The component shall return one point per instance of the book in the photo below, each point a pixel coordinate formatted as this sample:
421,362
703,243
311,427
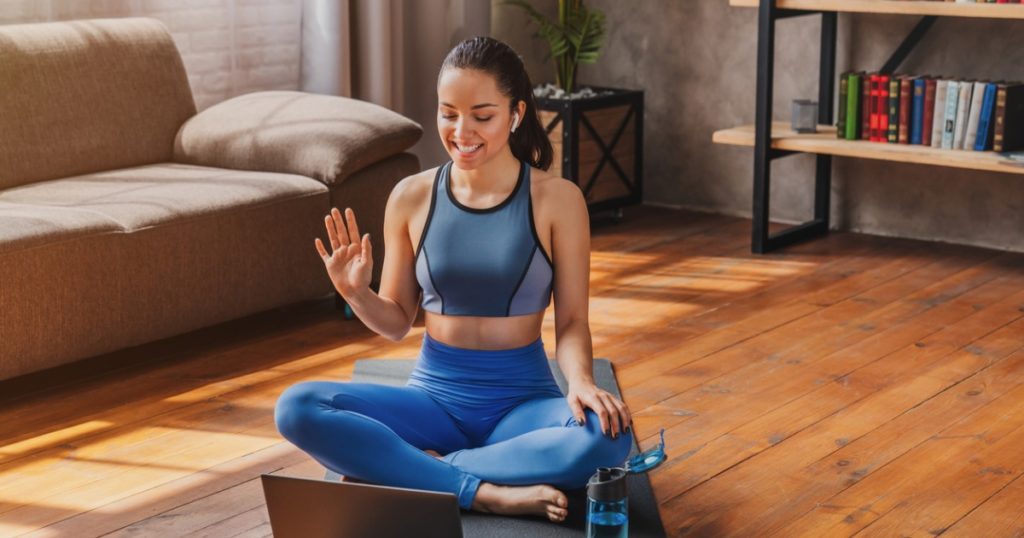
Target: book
917,114
949,114
977,95
1009,118
872,133
882,108
906,94
852,103
841,113
929,111
893,110
983,140
939,114
963,108
865,106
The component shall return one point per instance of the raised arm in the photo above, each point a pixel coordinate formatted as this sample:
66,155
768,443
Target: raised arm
391,312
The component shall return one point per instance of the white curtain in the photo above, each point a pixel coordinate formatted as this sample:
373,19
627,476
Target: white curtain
388,52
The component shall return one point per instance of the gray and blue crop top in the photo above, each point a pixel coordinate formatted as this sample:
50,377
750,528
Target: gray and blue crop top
482,262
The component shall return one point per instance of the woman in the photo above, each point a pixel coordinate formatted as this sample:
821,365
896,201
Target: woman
480,237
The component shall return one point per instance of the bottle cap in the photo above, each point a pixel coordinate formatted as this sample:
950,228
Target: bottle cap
608,484
645,461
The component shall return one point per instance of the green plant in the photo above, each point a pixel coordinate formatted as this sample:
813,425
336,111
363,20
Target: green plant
575,38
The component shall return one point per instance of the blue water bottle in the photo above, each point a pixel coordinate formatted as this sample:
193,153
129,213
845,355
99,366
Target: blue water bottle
607,495
607,504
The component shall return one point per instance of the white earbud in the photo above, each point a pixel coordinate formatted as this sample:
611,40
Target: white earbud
515,121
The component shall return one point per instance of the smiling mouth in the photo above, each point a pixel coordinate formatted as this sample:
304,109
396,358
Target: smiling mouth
467,149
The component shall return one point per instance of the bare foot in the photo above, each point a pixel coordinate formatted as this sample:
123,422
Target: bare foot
541,500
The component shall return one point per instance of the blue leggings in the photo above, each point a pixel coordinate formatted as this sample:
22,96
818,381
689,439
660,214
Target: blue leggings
495,415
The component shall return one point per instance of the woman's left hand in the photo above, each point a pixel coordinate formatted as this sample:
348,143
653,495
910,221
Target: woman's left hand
613,413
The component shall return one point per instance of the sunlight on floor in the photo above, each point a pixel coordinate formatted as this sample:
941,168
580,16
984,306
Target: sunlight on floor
215,388
642,266
81,484
642,313
739,267
63,435
676,283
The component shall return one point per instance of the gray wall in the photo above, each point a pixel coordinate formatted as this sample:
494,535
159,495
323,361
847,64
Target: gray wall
696,61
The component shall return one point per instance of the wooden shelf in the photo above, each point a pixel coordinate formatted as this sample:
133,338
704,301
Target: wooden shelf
899,7
825,142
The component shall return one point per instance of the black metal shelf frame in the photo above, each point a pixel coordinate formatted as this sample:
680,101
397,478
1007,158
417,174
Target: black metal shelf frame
764,154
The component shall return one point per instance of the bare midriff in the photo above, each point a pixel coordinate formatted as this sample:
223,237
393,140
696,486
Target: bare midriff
481,332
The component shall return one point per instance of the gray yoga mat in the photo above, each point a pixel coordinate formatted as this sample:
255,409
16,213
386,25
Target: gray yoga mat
644,520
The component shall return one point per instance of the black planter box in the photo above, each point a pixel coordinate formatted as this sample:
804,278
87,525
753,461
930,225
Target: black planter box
598,143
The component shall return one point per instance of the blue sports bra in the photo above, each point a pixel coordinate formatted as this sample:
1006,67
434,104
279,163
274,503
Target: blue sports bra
482,262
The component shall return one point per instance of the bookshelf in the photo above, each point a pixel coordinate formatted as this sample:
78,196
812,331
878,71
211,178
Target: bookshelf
898,7
772,140
825,142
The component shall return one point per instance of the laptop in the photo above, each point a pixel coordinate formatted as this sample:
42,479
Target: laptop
313,508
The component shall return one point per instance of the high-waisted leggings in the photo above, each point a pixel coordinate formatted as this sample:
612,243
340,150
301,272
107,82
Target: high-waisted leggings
496,416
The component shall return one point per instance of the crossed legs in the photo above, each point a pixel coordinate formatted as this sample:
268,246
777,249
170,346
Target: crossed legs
540,442
377,433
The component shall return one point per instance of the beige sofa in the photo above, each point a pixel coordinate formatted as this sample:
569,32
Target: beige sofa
126,217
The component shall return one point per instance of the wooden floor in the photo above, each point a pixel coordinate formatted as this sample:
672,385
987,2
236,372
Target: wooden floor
851,385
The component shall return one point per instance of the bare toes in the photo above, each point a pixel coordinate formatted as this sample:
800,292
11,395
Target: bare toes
557,498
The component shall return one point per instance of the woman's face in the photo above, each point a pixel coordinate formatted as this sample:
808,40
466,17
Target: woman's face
473,117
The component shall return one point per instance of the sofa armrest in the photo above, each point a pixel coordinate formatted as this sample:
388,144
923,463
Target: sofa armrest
321,136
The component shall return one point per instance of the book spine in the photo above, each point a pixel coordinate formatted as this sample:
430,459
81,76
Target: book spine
882,108
876,81
1013,118
949,116
841,119
977,95
982,140
963,108
917,118
906,94
997,136
894,110
852,100
939,113
865,106
929,112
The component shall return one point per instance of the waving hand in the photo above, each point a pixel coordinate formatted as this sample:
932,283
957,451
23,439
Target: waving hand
350,262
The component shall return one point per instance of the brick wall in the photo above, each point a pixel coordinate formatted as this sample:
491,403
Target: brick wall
229,47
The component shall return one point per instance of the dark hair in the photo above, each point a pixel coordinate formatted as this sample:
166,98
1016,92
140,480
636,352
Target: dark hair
529,142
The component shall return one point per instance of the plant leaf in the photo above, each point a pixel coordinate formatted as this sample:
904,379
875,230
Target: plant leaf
575,37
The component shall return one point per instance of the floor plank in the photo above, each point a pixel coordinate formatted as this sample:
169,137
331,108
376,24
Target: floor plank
762,491
999,515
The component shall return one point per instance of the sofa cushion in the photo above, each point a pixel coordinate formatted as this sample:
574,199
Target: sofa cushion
146,196
28,225
100,292
321,136
83,96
